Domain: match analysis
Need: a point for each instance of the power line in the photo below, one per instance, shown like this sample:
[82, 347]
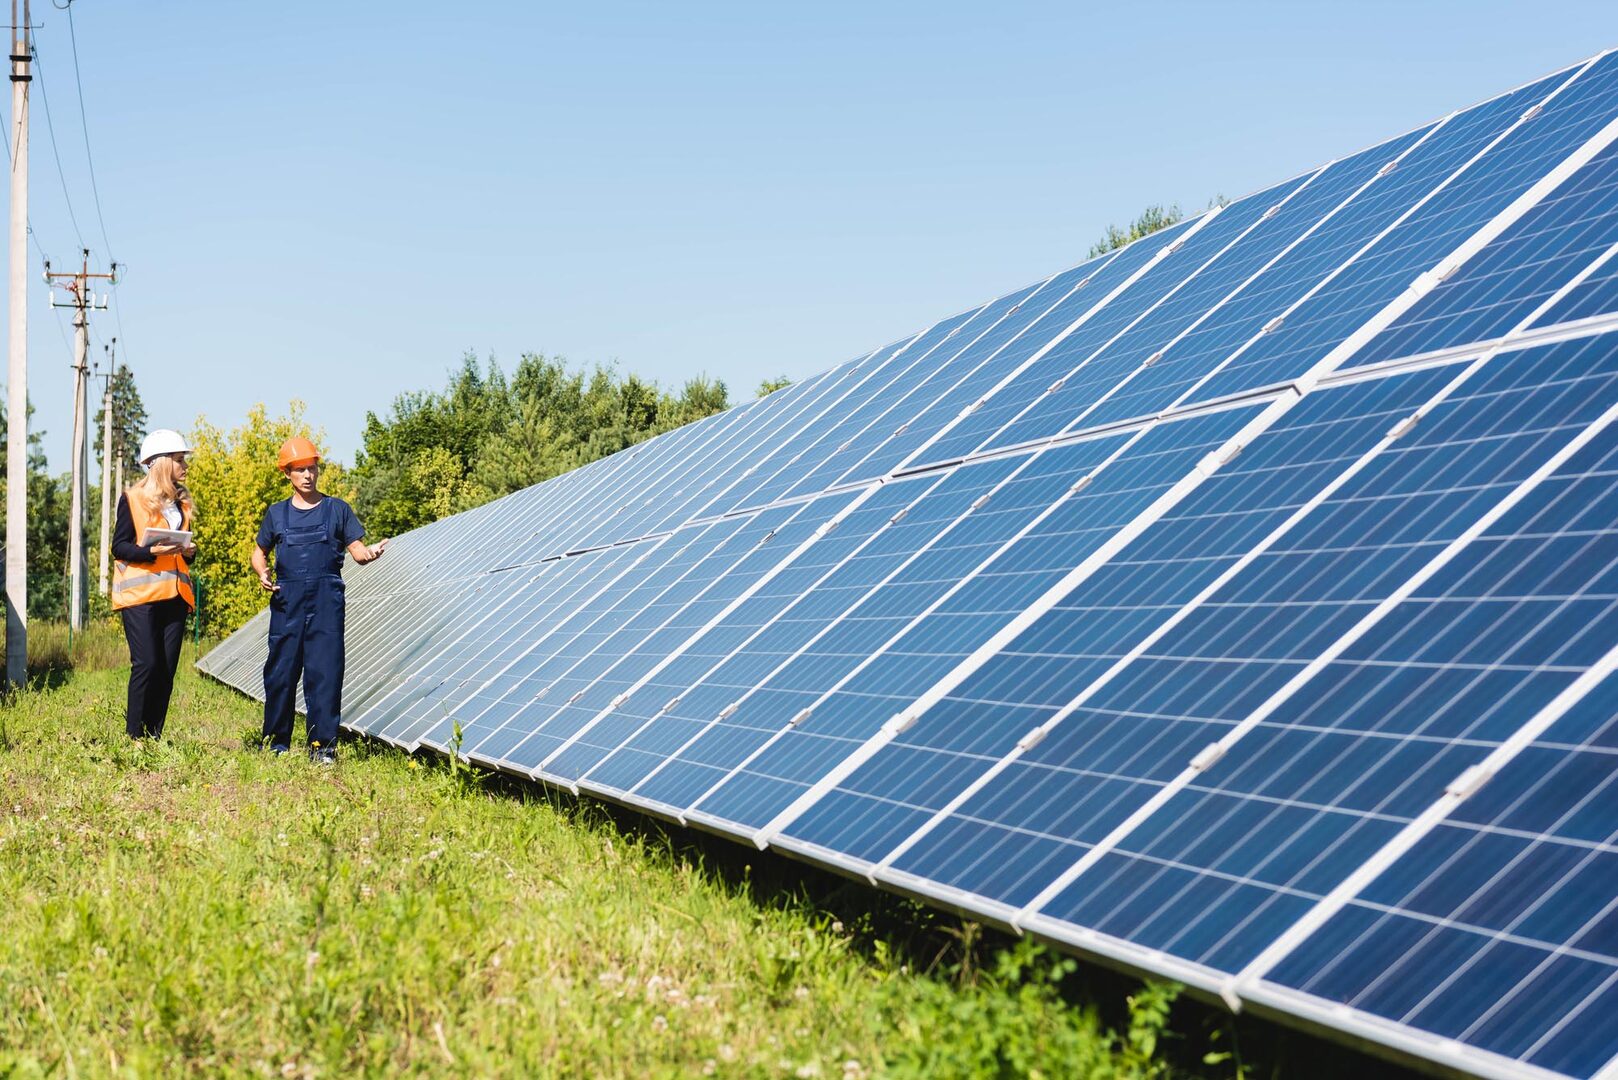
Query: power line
[50, 126]
[85, 123]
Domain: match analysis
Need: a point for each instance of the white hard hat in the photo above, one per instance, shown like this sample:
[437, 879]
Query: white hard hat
[162, 441]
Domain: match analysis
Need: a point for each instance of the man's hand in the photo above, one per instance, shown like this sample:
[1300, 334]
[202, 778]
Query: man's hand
[266, 583]
[379, 547]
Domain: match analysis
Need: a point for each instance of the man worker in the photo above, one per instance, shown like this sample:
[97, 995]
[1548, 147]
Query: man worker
[308, 533]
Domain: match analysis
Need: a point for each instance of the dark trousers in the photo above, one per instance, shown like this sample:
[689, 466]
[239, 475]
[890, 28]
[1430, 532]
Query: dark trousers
[305, 641]
[155, 633]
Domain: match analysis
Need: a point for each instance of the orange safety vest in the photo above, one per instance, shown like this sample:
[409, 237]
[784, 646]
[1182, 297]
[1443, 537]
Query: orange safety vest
[163, 577]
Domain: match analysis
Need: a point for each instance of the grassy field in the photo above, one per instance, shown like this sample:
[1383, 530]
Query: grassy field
[196, 906]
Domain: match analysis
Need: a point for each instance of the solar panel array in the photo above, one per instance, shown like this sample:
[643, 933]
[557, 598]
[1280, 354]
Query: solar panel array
[1240, 606]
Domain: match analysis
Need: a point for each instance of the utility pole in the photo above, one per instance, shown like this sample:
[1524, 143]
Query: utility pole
[17, 362]
[107, 451]
[83, 300]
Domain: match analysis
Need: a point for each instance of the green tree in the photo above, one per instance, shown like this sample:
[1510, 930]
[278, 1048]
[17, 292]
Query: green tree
[766, 387]
[482, 436]
[234, 479]
[49, 501]
[1151, 219]
[128, 419]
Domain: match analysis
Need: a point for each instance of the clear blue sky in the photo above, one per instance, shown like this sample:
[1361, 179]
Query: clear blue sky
[334, 201]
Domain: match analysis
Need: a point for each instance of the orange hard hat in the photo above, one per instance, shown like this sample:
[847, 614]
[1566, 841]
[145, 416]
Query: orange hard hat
[296, 451]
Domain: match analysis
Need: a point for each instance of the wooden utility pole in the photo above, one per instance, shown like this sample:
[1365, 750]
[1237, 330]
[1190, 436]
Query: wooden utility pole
[107, 451]
[83, 300]
[17, 362]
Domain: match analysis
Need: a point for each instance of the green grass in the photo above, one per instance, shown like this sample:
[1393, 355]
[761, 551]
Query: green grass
[197, 907]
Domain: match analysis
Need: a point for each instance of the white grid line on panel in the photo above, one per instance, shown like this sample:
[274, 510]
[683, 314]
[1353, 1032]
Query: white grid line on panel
[601, 584]
[873, 591]
[781, 424]
[1421, 826]
[649, 631]
[938, 601]
[858, 501]
[1030, 915]
[1234, 294]
[1206, 315]
[1201, 600]
[720, 445]
[1144, 646]
[616, 606]
[842, 478]
[1464, 785]
[1029, 615]
[1447, 1052]
[1039, 354]
[1303, 385]
[747, 594]
[920, 358]
[1426, 281]
[1186, 777]
[761, 838]
[749, 476]
[1507, 342]
[924, 489]
[886, 416]
[518, 595]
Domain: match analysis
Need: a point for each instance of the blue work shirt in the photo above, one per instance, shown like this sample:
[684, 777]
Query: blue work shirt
[284, 517]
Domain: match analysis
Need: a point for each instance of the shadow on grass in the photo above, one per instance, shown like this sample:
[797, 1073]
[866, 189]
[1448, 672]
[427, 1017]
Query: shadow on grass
[1204, 1038]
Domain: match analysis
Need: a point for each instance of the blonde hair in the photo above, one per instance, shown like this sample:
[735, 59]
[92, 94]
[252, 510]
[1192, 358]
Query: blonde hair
[160, 486]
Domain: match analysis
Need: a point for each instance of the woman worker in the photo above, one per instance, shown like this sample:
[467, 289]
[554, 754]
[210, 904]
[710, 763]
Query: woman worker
[151, 581]
[308, 533]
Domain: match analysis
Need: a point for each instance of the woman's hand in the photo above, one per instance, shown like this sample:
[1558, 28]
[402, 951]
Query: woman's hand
[167, 547]
[190, 552]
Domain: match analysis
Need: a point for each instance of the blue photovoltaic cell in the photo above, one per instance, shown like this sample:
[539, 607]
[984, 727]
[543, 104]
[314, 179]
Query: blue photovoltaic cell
[713, 491]
[426, 698]
[1147, 465]
[428, 612]
[563, 745]
[947, 551]
[487, 712]
[1039, 815]
[1596, 295]
[972, 373]
[1500, 927]
[1376, 734]
[906, 371]
[917, 516]
[773, 617]
[1429, 235]
[1502, 285]
[1105, 314]
[723, 717]
[1219, 295]
[883, 416]
[1238, 324]
[1068, 363]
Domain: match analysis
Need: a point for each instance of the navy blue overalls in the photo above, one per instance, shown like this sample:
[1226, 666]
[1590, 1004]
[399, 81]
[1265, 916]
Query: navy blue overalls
[306, 627]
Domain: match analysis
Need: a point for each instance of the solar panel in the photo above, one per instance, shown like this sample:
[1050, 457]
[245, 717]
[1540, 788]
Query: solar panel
[1240, 606]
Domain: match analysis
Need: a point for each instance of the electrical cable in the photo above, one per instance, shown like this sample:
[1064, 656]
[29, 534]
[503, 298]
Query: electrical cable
[85, 123]
[50, 126]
